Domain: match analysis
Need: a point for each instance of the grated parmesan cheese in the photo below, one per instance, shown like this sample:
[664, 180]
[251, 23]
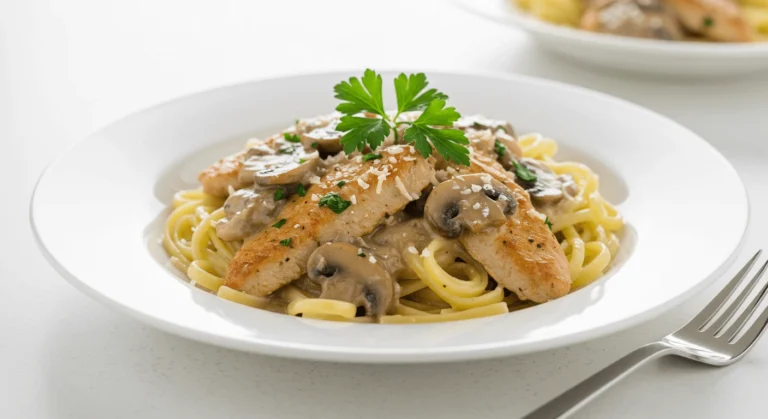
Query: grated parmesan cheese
[353, 199]
[395, 149]
[485, 212]
[486, 178]
[488, 187]
[297, 226]
[466, 191]
[456, 187]
[408, 158]
[476, 206]
[401, 188]
[426, 253]
[362, 183]
[476, 188]
[503, 197]
[315, 180]
[230, 189]
[372, 259]
[412, 250]
[392, 160]
[315, 197]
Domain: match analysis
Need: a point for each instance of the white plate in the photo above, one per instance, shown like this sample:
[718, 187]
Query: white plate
[625, 53]
[98, 214]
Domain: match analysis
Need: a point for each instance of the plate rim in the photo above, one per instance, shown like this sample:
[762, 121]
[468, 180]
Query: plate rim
[390, 356]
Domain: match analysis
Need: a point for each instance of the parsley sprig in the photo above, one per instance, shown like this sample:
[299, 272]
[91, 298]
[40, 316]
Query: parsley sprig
[365, 95]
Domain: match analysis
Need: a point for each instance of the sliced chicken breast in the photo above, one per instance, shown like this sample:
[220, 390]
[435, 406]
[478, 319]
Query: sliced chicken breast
[718, 20]
[523, 255]
[377, 189]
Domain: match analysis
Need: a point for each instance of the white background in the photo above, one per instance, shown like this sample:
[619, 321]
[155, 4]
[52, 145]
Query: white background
[69, 67]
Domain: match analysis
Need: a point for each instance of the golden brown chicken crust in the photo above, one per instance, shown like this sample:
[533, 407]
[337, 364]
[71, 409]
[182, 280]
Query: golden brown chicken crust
[522, 255]
[220, 176]
[263, 264]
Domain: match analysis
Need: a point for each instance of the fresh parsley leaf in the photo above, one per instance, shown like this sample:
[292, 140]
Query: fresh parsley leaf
[301, 191]
[522, 172]
[362, 132]
[360, 96]
[408, 90]
[371, 156]
[279, 223]
[286, 242]
[500, 148]
[314, 145]
[361, 254]
[548, 223]
[449, 143]
[291, 138]
[334, 202]
[279, 194]
[341, 184]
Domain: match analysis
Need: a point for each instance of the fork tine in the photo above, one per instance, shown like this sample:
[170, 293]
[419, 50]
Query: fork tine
[705, 315]
[754, 332]
[729, 311]
[739, 324]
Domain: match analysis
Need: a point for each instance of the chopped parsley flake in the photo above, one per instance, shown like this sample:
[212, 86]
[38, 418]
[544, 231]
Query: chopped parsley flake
[361, 254]
[314, 145]
[708, 22]
[524, 173]
[371, 156]
[302, 160]
[340, 184]
[286, 242]
[279, 223]
[334, 202]
[500, 148]
[301, 190]
[548, 223]
[291, 138]
[279, 194]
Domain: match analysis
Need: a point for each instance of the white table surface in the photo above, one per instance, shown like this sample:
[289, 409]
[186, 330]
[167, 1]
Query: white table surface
[69, 67]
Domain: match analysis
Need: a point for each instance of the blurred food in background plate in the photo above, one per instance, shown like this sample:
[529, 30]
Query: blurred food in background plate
[669, 20]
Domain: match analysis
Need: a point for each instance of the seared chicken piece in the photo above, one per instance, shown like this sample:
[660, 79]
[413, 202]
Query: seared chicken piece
[718, 20]
[635, 18]
[523, 255]
[218, 178]
[277, 256]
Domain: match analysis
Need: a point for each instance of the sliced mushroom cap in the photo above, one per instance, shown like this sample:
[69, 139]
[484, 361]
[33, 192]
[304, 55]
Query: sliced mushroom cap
[248, 211]
[549, 188]
[635, 18]
[282, 169]
[325, 139]
[473, 202]
[479, 122]
[345, 276]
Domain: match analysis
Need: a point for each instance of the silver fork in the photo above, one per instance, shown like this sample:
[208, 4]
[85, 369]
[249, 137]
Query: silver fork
[704, 339]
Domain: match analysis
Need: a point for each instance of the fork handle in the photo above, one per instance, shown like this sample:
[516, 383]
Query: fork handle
[588, 389]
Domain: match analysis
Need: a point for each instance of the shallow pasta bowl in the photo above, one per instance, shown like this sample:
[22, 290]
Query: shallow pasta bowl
[98, 214]
[625, 53]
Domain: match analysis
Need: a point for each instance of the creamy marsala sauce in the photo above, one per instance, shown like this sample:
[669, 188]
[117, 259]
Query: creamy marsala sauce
[454, 201]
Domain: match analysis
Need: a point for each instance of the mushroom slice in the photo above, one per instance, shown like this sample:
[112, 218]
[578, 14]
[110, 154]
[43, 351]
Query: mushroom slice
[324, 139]
[345, 276]
[548, 188]
[479, 122]
[635, 18]
[473, 202]
[282, 169]
[248, 211]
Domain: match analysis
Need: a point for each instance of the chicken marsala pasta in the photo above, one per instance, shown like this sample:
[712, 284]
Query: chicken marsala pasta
[671, 20]
[408, 216]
